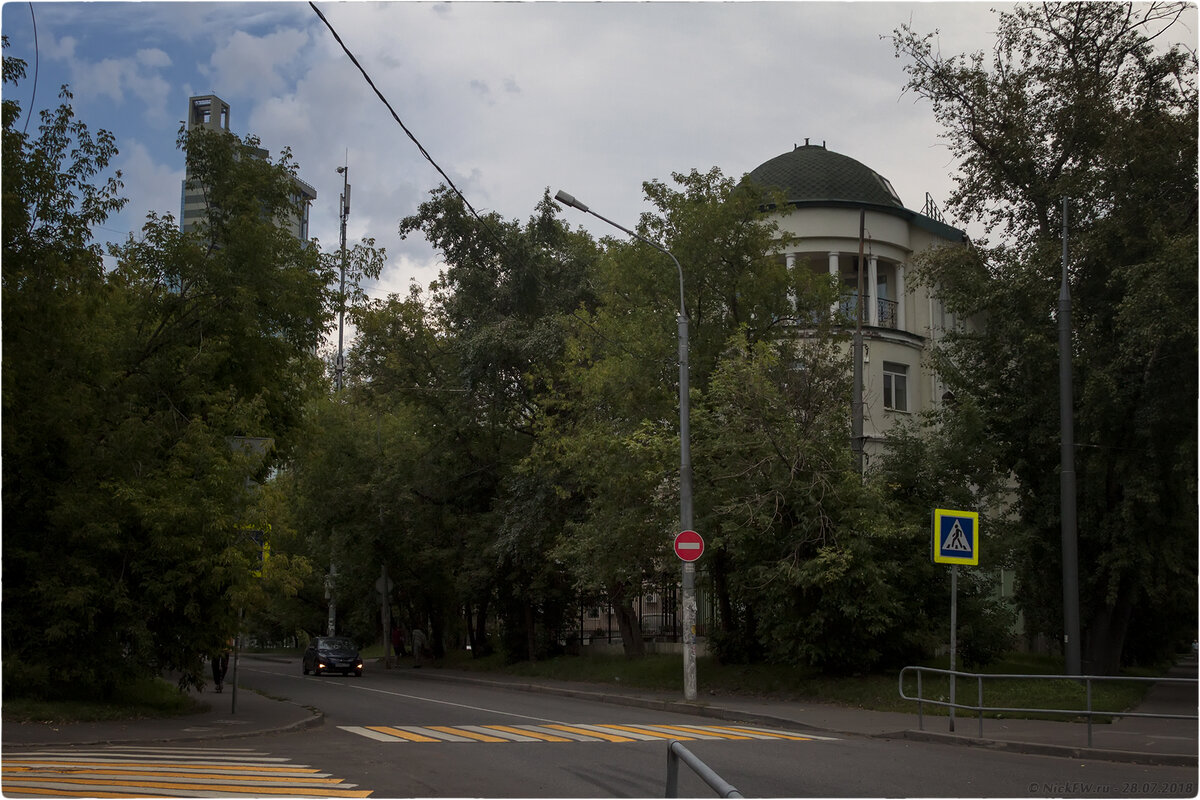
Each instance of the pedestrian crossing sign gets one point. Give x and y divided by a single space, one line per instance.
955 536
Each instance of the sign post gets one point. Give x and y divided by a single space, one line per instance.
689 546
955 541
383 585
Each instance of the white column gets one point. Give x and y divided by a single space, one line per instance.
793 301
900 297
836 271
872 292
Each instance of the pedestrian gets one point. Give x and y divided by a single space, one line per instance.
418 644
220 665
398 641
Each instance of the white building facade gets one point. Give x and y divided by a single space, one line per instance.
830 198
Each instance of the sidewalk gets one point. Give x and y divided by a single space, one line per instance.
255 715
1135 740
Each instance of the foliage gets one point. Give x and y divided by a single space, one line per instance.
127 395
1079 103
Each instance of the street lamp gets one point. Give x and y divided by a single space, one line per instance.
685 458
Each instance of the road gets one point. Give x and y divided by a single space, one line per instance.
406 733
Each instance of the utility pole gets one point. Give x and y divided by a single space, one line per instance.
339 367
343 212
856 402
1066 419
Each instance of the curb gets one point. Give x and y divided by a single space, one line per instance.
1058 750
315 719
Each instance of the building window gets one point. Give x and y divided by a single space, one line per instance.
895 386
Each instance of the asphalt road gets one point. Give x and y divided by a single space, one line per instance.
377 730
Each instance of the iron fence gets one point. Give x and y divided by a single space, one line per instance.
979 708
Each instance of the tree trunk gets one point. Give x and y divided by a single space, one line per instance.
530 630
1104 639
627 622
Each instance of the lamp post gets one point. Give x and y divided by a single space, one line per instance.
685 457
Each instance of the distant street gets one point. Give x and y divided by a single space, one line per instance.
495 743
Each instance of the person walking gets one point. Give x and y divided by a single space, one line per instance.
418 644
398 641
220 666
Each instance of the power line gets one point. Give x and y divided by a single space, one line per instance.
36 60
400 122
449 182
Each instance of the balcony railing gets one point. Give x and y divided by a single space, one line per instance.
888 311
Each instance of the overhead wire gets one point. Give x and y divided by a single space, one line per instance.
36 59
400 122
450 183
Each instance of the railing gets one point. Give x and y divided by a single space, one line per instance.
980 708
888 311
676 753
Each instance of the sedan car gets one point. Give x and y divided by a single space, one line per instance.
332 654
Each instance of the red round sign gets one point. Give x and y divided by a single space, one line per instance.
688 545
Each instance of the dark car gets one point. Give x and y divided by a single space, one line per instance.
332 654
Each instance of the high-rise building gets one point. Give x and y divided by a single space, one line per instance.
212 112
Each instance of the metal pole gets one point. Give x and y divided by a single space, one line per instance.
332 621
385 611
343 212
953 634
857 400
1070 551
685 457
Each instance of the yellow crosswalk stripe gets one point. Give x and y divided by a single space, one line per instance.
609 737
647 731
479 737
561 732
165 772
706 730
545 737
412 737
760 732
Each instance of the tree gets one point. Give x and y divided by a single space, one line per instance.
125 487
1080 105
610 440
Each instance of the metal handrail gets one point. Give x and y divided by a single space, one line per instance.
980 708
676 752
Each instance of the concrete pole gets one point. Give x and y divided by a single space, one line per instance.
1066 417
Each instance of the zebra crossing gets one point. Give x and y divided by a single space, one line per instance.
562 732
165 772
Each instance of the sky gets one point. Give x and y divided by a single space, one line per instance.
510 99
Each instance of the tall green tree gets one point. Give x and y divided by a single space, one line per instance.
611 439
1080 103
128 396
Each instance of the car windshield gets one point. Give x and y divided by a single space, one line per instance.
336 644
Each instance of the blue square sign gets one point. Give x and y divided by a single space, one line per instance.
955 536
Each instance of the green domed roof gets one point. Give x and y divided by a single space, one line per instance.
812 174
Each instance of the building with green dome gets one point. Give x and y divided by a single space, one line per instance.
830 198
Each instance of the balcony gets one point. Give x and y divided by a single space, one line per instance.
888 311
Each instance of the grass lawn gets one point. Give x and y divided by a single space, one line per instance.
149 698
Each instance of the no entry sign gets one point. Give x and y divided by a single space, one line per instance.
688 545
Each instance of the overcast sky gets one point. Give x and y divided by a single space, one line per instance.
508 98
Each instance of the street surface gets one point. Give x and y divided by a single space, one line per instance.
406 733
